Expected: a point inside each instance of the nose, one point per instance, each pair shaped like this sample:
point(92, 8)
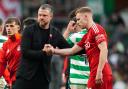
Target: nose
point(41, 17)
point(8, 28)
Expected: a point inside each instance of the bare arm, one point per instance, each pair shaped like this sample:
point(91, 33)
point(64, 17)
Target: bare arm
point(103, 55)
point(68, 51)
point(102, 59)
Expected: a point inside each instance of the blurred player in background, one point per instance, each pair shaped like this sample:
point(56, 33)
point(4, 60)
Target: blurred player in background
point(10, 52)
point(78, 66)
point(2, 39)
point(29, 21)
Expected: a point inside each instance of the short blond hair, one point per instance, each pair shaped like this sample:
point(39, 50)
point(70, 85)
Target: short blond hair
point(83, 10)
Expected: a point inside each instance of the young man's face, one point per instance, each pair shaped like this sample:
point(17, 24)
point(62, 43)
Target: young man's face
point(44, 17)
point(12, 28)
point(81, 20)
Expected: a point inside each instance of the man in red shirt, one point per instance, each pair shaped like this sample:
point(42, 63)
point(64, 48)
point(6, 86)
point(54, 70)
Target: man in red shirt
point(95, 44)
point(10, 52)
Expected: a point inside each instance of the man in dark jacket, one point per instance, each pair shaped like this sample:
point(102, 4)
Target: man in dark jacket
point(34, 69)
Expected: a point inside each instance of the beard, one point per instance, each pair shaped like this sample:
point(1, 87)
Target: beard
point(43, 23)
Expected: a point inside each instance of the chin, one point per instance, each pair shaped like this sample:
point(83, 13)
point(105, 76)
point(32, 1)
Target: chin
point(42, 24)
point(9, 35)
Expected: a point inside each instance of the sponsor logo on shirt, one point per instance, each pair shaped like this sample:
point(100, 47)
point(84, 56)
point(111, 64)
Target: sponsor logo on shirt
point(87, 45)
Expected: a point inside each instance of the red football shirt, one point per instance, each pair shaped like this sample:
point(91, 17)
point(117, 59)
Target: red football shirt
point(96, 34)
point(10, 57)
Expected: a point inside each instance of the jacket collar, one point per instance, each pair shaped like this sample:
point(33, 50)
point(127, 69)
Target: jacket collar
point(15, 37)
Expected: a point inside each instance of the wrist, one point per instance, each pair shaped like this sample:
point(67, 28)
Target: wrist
point(99, 71)
point(67, 31)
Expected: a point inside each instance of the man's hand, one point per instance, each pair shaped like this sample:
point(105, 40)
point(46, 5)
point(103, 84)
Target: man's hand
point(99, 78)
point(9, 86)
point(71, 26)
point(48, 49)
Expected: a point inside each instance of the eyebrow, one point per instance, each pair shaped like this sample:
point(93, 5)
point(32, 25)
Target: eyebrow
point(9, 25)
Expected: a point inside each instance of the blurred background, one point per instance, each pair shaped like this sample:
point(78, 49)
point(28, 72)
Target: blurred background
point(111, 14)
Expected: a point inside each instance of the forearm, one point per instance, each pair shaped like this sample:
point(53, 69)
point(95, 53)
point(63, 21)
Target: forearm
point(68, 51)
point(102, 59)
point(66, 34)
point(33, 54)
point(63, 52)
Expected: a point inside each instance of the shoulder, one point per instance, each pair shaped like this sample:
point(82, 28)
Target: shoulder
point(54, 30)
point(30, 29)
point(74, 35)
point(3, 37)
point(96, 28)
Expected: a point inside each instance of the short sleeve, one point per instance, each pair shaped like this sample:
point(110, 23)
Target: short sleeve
point(99, 34)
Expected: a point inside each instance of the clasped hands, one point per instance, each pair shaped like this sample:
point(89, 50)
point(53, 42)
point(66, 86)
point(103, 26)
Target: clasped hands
point(49, 49)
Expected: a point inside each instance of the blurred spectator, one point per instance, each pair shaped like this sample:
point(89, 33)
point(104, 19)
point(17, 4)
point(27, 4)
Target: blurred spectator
point(116, 19)
point(117, 27)
point(119, 85)
point(10, 52)
point(30, 7)
point(28, 21)
point(10, 8)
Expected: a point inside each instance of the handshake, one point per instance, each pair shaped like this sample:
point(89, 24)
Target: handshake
point(48, 49)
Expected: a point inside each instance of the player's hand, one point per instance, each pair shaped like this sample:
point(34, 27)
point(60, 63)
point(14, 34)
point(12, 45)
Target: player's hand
point(71, 26)
point(9, 86)
point(99, 78)
point(48, 49)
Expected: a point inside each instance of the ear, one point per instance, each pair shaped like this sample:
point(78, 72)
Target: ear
point(18, 27)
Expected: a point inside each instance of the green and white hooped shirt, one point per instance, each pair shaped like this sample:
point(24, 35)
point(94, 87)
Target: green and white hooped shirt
point(79, 70)
point(2, 40)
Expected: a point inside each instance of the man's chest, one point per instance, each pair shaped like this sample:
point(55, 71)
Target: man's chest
point(90, 41)
point(12, 49)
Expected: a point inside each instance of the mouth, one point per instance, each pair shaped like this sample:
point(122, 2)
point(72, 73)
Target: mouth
point(42, 20)
point(9, 33)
